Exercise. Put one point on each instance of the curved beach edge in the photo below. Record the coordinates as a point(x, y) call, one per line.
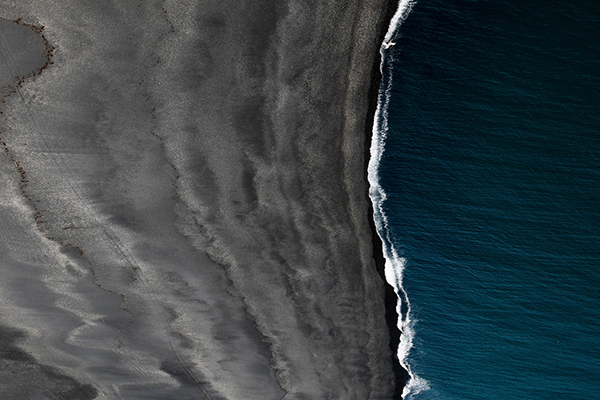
point(391, 298)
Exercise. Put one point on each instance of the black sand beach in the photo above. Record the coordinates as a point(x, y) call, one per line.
point(184, 208)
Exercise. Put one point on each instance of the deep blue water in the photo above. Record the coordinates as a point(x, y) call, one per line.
point(492, 171)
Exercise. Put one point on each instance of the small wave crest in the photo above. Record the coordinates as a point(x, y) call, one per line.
point(404, 8)
point(394, 263)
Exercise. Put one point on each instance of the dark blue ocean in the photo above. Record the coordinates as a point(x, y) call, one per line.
point(492, 173)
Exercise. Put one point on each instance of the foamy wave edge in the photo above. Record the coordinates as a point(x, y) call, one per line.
point(394, 264)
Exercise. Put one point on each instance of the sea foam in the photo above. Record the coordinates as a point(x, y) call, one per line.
point(394, 263)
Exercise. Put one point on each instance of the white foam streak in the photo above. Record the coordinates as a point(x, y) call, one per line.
point(404, 7)
point(394, 264)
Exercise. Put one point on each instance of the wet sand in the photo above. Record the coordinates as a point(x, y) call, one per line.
point(184, 211)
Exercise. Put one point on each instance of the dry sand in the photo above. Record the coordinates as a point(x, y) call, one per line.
point(183, 212)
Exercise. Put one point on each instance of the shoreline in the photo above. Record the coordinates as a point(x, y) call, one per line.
point(391, 299)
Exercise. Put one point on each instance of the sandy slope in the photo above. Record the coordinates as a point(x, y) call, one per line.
point(183, 210)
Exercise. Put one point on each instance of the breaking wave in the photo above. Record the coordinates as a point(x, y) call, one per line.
point(394, 263)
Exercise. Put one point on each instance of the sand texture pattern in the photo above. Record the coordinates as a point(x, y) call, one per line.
point(183, 212)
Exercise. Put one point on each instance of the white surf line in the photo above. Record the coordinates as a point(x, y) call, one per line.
point(394, 264)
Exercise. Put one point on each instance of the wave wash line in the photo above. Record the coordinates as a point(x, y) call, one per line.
point(394, 264)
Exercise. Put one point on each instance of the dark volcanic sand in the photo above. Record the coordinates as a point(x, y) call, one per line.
point(183, 211)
